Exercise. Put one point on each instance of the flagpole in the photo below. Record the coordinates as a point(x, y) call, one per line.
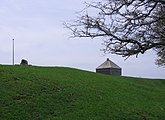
point(13, 51)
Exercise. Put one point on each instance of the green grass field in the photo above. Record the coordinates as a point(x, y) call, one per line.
point(56, 93)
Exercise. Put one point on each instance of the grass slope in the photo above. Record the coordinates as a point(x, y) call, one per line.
point(36, 93)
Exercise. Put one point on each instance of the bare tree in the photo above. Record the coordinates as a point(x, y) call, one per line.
point(159, 30)
point(128, 27)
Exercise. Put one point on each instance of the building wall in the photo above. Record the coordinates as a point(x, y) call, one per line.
point(110, 71)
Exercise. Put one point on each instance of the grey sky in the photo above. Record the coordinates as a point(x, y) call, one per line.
point(40, 37)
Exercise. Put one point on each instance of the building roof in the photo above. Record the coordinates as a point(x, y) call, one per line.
point(108, 64)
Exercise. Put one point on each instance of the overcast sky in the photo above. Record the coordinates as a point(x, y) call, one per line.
point(40, 37)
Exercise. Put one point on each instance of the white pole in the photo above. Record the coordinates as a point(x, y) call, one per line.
point(13, 51)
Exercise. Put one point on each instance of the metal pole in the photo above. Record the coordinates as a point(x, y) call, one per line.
point(13, 51)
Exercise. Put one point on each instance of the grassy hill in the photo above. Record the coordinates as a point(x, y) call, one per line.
point(55, 93)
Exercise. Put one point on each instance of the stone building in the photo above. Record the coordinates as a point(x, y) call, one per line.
point(24, 62)
point(110, 68)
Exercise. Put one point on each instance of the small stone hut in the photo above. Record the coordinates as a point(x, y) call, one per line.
point(110, 68)
point(24, 62)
